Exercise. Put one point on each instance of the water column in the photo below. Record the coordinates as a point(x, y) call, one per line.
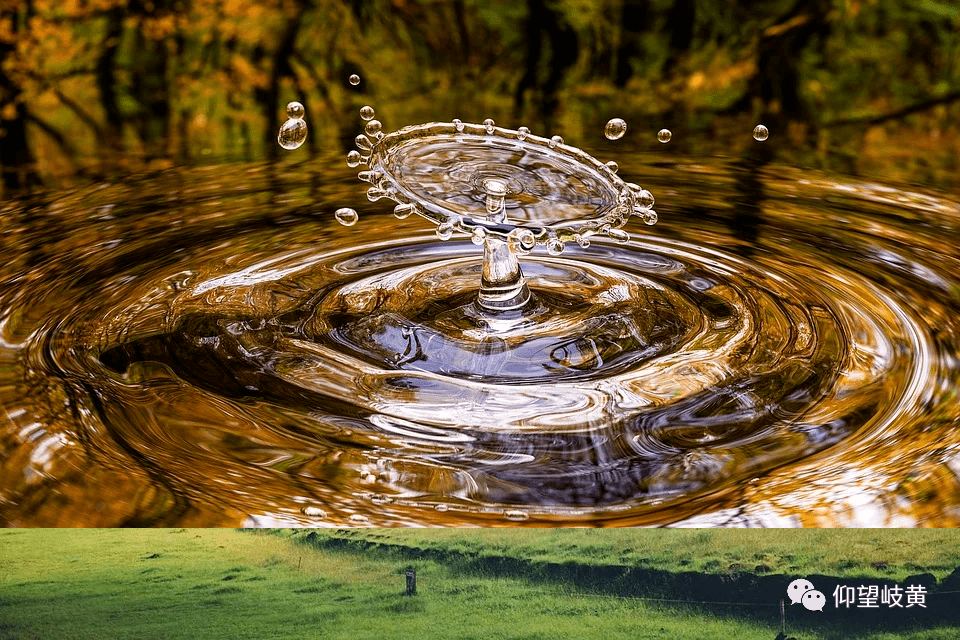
point(502, 286)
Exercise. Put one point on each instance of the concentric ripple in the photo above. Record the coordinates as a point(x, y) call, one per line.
point(297, 373)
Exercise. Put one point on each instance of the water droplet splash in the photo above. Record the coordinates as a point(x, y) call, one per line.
point(354, 79)
point(489, 125)
point(522, 133)
point(664, 135)
point(615, 129)
point(760, 133)
point(354, 159)
point(367, 112)
point(373, 128)
point(554, 141)
point(346, 216)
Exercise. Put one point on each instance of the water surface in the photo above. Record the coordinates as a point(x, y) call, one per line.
point(193, 348)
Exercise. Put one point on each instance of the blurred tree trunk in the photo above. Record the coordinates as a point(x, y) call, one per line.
point(149, 85)
point(776, 82)
point(16, 160)
point(680, 23)
point(634, 16)
point(543, 19)
point(106, 80)
point(268, 98)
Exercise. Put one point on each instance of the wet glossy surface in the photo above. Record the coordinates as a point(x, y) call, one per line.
point(194, 348)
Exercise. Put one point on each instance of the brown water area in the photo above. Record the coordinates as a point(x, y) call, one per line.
point(190, 337)
point(181, 349)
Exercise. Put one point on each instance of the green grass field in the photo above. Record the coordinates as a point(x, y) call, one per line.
point(879, 553)
point(217, 583)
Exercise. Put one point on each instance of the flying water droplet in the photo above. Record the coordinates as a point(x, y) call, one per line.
point(353, 159)
point(527, 239)
point(488, 124)
point(292, 133)
point(664, 135)
point(445, 230)
point(615, 129)
point(373, 127)
point(760, 133)
point(522, 133)
point(650, 217)
point(613, 166)
point(619, 235)
point(346, 216)
point(354, 79)
point(367, 112)
point(646, 198)
point(458, 124)
point(554, 141)
point(554, 246)
point(295, 110)
point(403, 210)
point(363, 143)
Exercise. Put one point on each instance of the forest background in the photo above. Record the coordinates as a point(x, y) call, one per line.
point(95, 89)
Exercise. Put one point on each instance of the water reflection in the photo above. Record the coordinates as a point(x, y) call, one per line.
point(181, 348)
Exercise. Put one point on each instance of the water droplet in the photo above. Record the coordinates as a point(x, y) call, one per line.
point(313, 512)
point(359, 518)
point(445, 230)
point(458, 124)
point(295, 110)
point(441, 507)
point(664, 135)
point(646, 199)
point(373, 127)
point(633, 186)
point(516, 515)
point(527, 239)
point(488, 125)
point(366, 176)
point(354, 79)
point(478, 236)
point(619, 235)
point(403, 210)
point(353, 159)
point(583, 241)
point(650, 217)
point(367, 112)
point(375, 193)
point(346, 216)
point(523, 132)
point(554, 246)
point(292, 133)
point(615, 129)
point(363, 143)
point(554, 141)
point(760, 133)
point(613, 166)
